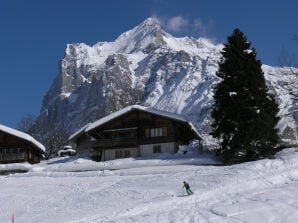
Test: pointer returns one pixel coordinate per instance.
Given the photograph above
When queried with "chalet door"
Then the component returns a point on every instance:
(97, 154)
(125, 153)
(122, 154)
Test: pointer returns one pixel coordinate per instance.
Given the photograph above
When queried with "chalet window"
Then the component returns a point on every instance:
(157, 149)
(156, 132)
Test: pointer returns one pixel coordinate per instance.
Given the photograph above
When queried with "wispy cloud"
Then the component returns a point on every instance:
(178, 24)
(198, 25)
(174, 24)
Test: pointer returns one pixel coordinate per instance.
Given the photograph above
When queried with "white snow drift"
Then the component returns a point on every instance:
(151, 191)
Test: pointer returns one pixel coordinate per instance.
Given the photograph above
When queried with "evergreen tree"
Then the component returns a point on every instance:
(244, 114)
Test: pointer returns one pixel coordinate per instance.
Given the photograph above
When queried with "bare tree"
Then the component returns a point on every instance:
(26, 124)
(290, 67)
(55, 142)
(29, 125)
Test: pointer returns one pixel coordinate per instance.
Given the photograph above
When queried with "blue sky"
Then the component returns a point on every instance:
(34, 33)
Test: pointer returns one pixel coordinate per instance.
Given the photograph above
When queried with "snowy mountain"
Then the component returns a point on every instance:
(144, 66)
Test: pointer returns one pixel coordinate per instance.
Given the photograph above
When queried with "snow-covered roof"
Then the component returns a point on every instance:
(79, 132)
(116, 114)
(22, 135)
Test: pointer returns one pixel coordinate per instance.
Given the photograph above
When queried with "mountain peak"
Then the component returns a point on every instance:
(147, 34)
(151, 22)
(149, 26)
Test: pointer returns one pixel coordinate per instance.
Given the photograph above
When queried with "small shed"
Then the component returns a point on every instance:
(134, 131)
(17, 146)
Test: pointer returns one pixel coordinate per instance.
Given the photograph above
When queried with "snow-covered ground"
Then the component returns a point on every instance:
(151, 191)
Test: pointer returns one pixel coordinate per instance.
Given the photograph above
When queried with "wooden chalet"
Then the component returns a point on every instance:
(16, 147)
(132, 132)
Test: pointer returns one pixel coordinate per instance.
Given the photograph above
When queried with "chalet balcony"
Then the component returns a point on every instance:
(116, 142)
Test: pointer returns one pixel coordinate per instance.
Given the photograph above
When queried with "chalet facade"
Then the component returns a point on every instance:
(133, 132)
(16, 147)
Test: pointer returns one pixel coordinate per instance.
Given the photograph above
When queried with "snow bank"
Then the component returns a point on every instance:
(81, 164)
(260, 191)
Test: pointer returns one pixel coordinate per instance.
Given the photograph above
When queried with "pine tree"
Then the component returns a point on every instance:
(244, 113)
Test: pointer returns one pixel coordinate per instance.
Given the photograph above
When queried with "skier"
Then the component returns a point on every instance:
(187, 188)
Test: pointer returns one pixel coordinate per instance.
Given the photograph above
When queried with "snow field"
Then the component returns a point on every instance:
(261, 191)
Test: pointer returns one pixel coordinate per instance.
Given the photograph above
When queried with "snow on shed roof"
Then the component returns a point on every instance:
(79, 132)
(22, 135)
(116, 114)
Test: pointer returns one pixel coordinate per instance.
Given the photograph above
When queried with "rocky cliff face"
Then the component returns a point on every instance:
(144, 66)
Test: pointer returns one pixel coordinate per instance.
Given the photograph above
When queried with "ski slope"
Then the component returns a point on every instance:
(151, 191)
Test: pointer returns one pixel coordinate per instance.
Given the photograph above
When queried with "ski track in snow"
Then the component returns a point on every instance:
(261, 191)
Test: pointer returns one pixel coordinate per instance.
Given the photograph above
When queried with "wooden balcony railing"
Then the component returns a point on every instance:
(117, 142)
